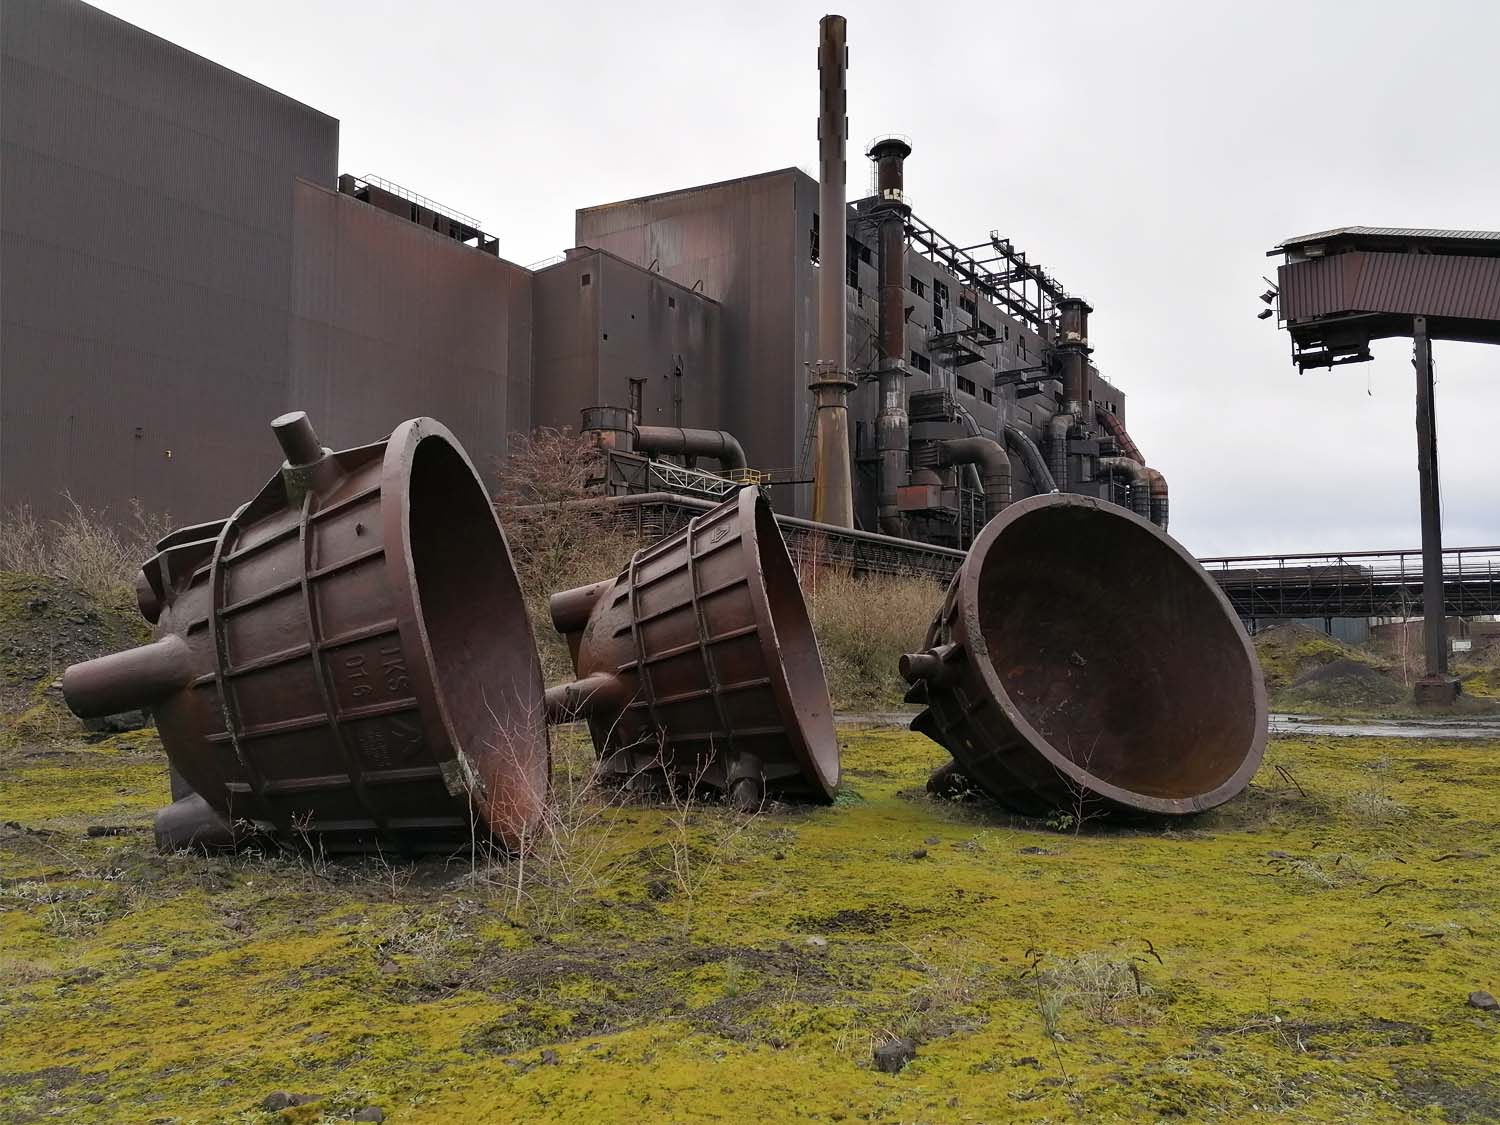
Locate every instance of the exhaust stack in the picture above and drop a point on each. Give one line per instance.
(892, 425)
(829, 379)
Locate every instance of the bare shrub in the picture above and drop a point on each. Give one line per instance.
(864, 624)
(701, 837)
(1104, 985)
(556, 544)
(88, 548)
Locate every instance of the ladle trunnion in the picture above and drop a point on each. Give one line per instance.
(700, 660)
(346, 660)
(1083, 660)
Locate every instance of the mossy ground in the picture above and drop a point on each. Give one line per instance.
(1302, 954)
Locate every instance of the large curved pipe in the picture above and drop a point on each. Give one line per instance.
(1158, 498)
(1117, 431)
(721, 445)
(1138, 477)
(1157, 483)
(994, 468)
(1057, 447)
(1018, 440)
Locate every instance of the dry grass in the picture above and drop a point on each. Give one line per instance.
(556, 545)
(90, 549)
(864, 624)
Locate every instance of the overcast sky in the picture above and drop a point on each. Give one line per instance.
(1147, 153)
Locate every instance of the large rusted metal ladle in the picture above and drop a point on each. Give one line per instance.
(699, 661)
(1084, 662)
(346, 659)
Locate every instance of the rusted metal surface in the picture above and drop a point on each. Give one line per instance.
(1084, 662)
(829, 379)
(1431, 285)
(347, 658)
(700, 660)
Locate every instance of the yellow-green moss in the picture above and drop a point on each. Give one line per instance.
(1303, 954)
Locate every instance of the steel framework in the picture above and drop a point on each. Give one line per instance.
(1357, 583)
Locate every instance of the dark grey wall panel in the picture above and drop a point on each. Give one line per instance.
(390, 320)
(145, 263)
(625, 322)
(736, 242)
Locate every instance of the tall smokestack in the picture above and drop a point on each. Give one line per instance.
(829, 380)
(892, 427)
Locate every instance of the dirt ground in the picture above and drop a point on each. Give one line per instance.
(1305, 953)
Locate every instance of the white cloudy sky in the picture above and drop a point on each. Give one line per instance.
(1147, 153)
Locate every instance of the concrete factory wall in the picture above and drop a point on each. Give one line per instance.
(391, 320)
(145, 250)
(602, 322)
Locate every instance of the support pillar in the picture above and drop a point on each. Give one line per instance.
(1437, 686)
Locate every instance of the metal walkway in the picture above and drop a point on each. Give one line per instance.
(1357, 583)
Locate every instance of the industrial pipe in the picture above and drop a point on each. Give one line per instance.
(829, 379)
(994, 468)
(1057, 447)
(1157, 486)
(1018, 440)
(1158, 498)
(892, 425)
(1074, 360)
(721, 445)
(1117, 431)
(1139, 480)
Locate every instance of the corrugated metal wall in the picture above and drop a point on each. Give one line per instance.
(1435, 285)
(145, 252)
(391, 320)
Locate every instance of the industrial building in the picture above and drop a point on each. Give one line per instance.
(182, 261)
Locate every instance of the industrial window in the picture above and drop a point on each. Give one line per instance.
(671, 302)
(587, 279)
(986, 330)
(1021, 347)
(1007, 332)
(966, 385)
(812, 241)
(939, 292)
(989, 397)
(968, 305)
(918, 288)
(921, 362)
(638, 396)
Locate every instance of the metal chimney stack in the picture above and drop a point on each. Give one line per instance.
(892, 426)
(829, 378)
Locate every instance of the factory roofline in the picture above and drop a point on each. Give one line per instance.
(695, 188)
(1480, 243)
(590, 250)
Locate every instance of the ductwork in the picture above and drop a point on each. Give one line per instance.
(1158, 498)
(1116, 429)
(994, 468)
(1057, 447)
(1157, 484)
(1018, 440)
(720, 445)
(1138, 477)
